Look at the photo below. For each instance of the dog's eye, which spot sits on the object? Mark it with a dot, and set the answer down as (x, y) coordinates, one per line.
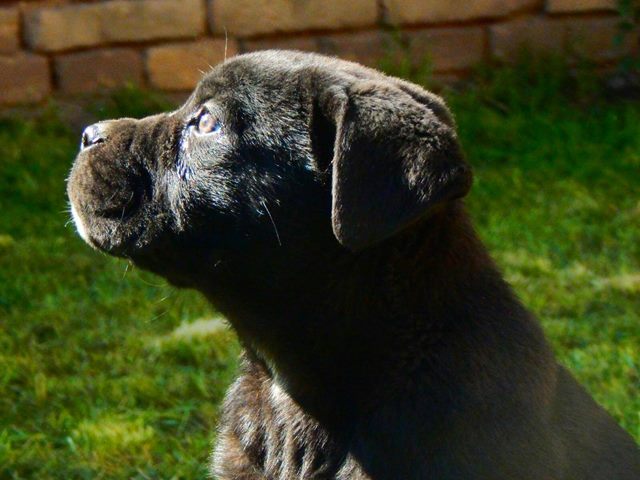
(208, 123)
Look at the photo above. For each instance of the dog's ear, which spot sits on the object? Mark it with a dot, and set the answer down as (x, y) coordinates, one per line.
(395, 157)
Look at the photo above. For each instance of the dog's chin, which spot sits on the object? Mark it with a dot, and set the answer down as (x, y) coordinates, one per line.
(150, 246)
(176, 276)
(109, 235)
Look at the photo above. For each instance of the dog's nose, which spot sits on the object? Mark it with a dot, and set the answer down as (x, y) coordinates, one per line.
(92, 135)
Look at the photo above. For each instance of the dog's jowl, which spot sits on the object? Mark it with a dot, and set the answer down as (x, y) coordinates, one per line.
(318, 204)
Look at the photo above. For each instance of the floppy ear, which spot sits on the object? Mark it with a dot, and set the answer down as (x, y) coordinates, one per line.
(395, 158)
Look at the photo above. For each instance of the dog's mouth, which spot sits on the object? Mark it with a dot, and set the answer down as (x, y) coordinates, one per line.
(113, 182)
(108, 199)
(125, 202)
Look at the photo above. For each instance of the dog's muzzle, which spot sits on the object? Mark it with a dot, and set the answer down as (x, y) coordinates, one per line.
(110, 182)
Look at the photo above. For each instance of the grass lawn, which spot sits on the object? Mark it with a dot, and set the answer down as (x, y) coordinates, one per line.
(104, 374)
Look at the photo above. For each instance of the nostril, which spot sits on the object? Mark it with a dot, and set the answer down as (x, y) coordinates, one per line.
(91, 136)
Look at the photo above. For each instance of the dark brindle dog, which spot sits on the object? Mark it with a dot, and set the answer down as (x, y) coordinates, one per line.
(317, 204)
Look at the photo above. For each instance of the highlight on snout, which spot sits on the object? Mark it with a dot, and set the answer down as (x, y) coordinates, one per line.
(109, 186)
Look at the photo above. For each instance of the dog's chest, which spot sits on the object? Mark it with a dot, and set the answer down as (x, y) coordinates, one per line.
(265, 434)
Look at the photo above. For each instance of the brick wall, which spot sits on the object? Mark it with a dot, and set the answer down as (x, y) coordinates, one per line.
(79, 46)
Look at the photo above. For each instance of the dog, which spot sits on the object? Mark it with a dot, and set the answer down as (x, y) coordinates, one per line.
(318, 204)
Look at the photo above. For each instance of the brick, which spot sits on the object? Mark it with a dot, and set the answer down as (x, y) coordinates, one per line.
(59, 28)
(24, 78)
(593, 39)
(54, 28)
(402, 12)
(180, 66)
(405, 12)
(306, 44)
(9, 40)
(254, 17)
(448, 48)
(565, 6)
(368, 48)
(95, 69)
(153, 19)
(535, 33)
(514, 6)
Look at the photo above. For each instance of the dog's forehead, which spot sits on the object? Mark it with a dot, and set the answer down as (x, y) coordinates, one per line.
(260, 70)
(273, 70)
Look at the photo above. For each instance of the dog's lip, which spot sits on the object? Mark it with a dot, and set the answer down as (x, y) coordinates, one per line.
(115, 230)
(125, 211)
(117, 245)
(81, 228)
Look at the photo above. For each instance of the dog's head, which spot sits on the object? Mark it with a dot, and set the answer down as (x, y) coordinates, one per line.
(274, 152)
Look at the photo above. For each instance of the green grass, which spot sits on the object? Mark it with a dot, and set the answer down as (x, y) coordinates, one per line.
(101, 378)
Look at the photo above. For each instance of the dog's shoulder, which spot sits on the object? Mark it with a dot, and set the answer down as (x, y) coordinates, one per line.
(263, 429)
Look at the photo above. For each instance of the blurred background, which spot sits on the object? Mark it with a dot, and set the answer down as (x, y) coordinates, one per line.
(81, 46)
(108, 372)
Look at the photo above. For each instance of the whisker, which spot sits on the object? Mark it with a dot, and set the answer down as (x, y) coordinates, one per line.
(126, 270)
(164, 298)
(226, 43)
(152, 284)
(158, 316)
(272, 221)
(124, 209)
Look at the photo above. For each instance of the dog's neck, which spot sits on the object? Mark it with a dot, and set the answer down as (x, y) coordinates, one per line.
(349, 325)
